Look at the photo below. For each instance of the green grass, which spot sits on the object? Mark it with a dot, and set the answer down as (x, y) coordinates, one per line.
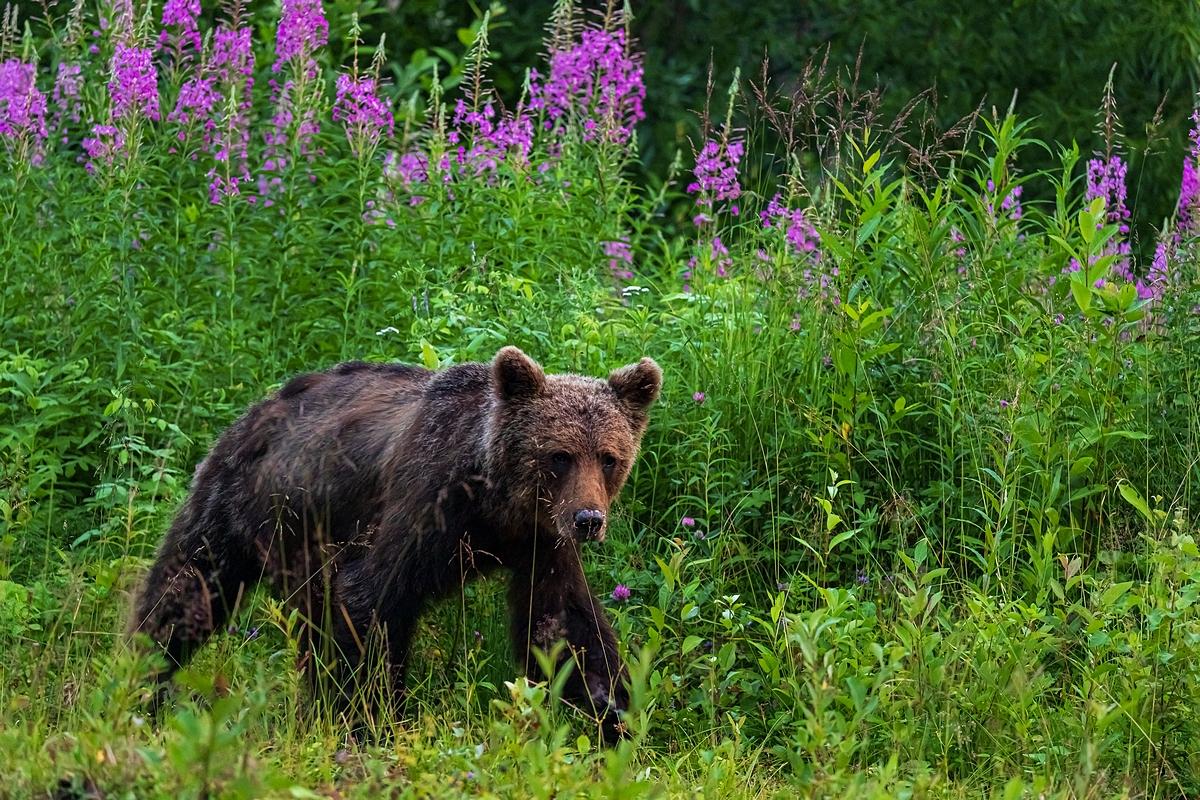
(941, 545)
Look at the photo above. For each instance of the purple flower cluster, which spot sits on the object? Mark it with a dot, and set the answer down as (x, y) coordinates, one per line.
(198, 98)
(798, 231)
(1106, 180)
(365, 116)
(1189, 186)
(134, 84)
(302, 30)
(597, 81)
(22, 107)
(1010, 204)
(804, 241)
(105, 144)
(182, 15)
(1159, 275)
(716, 177)
(68, 105)
(959, 250)
(231, 63)
(620, 258)
(406, 170)
(481, 141)
(233, 55)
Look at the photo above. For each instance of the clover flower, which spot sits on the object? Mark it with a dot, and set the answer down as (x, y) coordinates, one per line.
(621, 593)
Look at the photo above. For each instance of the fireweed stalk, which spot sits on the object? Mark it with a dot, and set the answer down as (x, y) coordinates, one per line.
(367, 121)
(717, 189)
(133, 98)
(22, 113)
(302, 32)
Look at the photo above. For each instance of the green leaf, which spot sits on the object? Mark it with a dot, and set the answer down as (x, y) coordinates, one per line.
(1114, 593)
(1135, 499)
(429, 356)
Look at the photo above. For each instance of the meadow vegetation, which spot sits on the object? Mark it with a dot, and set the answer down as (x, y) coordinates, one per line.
(912, 518)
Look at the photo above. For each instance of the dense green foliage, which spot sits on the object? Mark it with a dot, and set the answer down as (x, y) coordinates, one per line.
(913, 517)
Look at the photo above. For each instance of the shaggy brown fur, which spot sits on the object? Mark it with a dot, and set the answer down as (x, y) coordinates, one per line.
(362, 492)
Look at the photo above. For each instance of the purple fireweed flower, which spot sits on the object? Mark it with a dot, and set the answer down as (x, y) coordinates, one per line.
(407, 170)
(230, 66)
(1188, 209)
(596, 80)
(197, 98)
(65, 96)
(803, 241)
(1157, 280)
(365, 116)
(181, 15)
(620, 257)
(1106, 180)
(717, 173)
(1011, 203)
(798, 231)
(233, 54)
(621, 593)
(720, 257)
(302, 30)
(103, 146)
(134, 84)
(482, 142)
(22, 109)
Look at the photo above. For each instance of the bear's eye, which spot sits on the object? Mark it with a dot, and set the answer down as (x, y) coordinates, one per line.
(560, 462)
(608, 461)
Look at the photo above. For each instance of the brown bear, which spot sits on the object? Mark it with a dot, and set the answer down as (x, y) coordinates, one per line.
(360, 493)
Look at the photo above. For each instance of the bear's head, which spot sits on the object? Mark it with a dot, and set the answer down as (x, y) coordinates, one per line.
(566, 443)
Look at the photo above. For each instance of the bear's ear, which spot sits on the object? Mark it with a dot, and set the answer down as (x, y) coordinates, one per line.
(638, 384)
(517, 375)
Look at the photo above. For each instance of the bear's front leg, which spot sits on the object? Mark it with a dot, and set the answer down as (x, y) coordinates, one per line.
(550, 601)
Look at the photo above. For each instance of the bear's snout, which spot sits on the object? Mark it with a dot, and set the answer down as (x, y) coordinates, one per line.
(589, 524)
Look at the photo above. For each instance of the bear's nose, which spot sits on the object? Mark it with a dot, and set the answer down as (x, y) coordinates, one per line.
(588, 522)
